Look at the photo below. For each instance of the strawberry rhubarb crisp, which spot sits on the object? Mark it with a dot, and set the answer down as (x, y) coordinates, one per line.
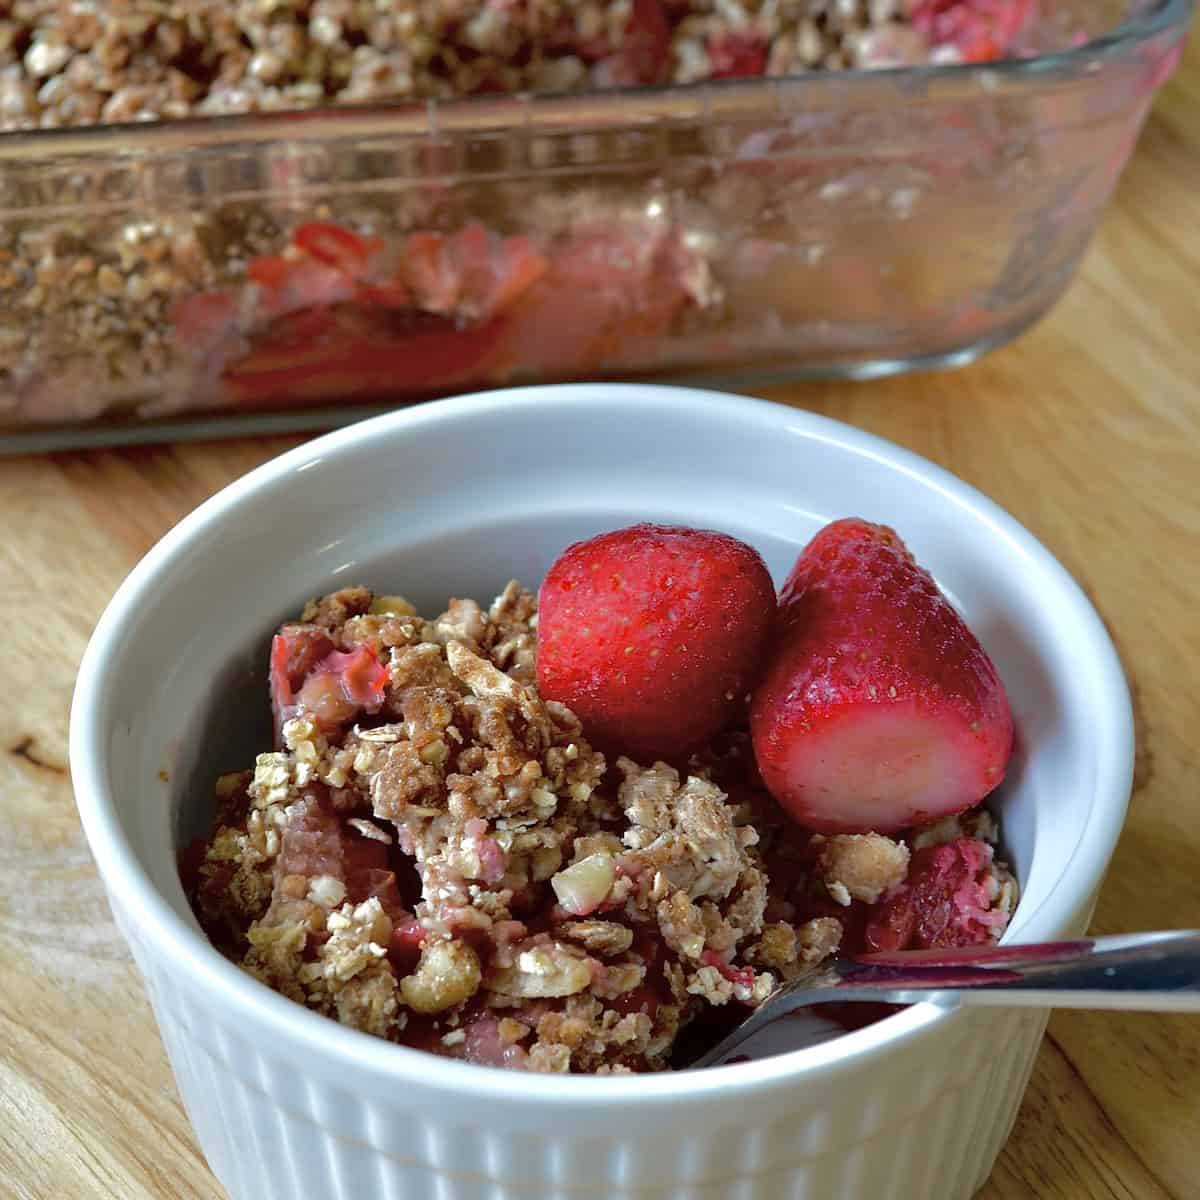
(316, 273)
(551, 834)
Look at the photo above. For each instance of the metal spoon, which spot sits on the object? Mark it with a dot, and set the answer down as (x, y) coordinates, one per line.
(1151, 972)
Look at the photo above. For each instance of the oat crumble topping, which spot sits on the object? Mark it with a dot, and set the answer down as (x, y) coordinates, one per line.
(66, 63)
(435, 855)
(861, 866)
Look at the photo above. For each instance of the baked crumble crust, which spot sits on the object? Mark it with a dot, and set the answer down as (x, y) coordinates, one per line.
(861, 866)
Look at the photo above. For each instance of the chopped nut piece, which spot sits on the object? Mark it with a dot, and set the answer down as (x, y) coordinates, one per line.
(513, 1031)
(584, 886)
(370, 830)
(446, 975)
(327, 891)
(392, 606)
(550, 1059)
(978, 824)
(712, 985)
(383, 734)
(777, 947)
(337, 608)
(600, 937)
(541, 972)
(619, 979)
(818, 939)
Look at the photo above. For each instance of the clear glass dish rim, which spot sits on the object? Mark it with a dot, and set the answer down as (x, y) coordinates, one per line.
(613, 108)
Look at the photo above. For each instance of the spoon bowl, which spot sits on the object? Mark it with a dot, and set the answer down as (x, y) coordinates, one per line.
(1147, 972)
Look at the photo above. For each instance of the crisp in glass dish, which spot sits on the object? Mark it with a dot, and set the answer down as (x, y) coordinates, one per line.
(294, 269)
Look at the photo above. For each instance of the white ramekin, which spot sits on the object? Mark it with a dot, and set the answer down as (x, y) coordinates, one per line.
(454, 498)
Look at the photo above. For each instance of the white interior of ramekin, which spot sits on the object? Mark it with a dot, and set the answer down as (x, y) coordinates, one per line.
(454, 498)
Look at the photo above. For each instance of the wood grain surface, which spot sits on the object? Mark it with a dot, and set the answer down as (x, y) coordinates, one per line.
(1087, 429)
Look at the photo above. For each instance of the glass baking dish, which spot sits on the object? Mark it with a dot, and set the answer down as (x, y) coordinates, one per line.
(295, 270)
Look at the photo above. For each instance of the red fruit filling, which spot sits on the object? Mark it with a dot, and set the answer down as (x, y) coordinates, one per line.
(945, 901)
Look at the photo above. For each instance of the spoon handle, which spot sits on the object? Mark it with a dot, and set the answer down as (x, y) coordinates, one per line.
(1153, 972)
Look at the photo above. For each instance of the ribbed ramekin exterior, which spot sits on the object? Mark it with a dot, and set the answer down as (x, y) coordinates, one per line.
(925, 1123)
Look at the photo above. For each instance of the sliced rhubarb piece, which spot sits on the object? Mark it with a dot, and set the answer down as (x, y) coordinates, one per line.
(483, 1044)
(311, 843)
(362, 676)
(471, 273)
(342, 685)
(337, 247)
(304, 283)
(295, 652)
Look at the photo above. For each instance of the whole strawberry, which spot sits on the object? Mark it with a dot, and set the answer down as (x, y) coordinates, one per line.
(652, 635)
(878, 708)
